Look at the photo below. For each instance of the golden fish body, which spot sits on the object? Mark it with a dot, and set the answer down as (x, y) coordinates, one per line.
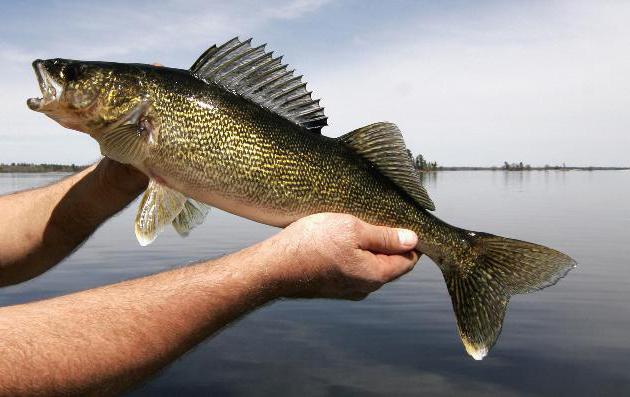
(225, 151)
(239, 132)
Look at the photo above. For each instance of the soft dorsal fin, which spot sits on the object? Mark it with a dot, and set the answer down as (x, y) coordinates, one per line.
(258, 76)
(382, 145)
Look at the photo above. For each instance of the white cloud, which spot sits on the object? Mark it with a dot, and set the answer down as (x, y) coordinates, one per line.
(133, 33)
(542, 86)
(538, 82)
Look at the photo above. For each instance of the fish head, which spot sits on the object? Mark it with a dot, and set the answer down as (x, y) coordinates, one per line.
(85, 96)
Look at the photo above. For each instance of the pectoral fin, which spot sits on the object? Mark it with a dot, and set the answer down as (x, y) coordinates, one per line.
(160, 205)
(126, 141)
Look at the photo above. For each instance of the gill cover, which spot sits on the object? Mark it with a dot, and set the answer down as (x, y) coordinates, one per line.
(127, 141)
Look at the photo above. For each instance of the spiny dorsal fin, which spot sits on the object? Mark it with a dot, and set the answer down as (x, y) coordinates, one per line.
(383, 146)
(258, 76)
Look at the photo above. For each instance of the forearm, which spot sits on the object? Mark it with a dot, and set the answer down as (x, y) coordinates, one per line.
(40, 227)
(105, 340)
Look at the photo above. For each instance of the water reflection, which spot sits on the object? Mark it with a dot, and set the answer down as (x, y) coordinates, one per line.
(567, 340)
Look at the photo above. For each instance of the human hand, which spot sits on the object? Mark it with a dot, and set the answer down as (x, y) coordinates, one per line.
(339, 256)
(116, 177)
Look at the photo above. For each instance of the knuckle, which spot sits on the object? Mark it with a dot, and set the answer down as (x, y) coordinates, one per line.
(350, 222)
(383, 277)
(350, 227)
(378, 276)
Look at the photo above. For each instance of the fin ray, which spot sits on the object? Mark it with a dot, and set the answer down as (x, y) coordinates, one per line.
(159, 207)
(480, 291)
(125, 141)
(383, 146)
(255, 75)
(192, 215)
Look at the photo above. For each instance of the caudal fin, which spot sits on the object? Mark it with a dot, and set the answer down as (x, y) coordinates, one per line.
(480, 291)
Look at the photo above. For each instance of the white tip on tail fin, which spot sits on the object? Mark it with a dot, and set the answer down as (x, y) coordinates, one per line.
(476, 352)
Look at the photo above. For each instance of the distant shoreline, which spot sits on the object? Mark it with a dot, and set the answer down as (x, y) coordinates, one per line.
(550, 168)
(27, 168)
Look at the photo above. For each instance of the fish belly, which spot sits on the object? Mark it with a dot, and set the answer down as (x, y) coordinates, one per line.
(240, 207)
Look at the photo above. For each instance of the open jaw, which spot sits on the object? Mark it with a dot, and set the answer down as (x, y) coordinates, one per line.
(51, 89)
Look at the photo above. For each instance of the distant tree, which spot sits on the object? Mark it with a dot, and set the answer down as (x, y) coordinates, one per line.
(506, 165)
(420, 163)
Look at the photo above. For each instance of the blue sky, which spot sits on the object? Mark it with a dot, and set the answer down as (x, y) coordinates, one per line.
(469, 83)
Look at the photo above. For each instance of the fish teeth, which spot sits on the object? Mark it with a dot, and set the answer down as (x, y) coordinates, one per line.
(50, 88)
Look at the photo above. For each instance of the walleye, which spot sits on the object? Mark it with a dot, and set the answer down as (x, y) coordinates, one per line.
(239, 131)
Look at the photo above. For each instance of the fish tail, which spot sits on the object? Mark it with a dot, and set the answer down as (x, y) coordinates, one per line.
(482, 271)
(485, 278)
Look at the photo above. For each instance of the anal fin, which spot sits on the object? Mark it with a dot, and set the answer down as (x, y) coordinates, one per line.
(192, 214)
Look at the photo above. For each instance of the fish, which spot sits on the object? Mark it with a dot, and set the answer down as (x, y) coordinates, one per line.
(240, 131)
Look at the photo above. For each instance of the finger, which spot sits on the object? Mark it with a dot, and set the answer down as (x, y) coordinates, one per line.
(394, 266)
(356, 296)
(386, 240)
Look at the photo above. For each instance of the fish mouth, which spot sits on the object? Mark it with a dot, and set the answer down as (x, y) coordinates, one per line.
(50, 88)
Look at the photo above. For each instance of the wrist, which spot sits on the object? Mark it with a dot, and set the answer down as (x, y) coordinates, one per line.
(118, 180)
(273, 264)
(284, 265)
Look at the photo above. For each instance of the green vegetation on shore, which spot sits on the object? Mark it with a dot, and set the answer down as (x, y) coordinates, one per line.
(545, 168)
(29, 167)
(422, 164)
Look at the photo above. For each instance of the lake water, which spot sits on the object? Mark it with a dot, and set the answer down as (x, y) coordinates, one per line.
(571, 339)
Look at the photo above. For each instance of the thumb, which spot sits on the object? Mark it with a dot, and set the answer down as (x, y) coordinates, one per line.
(386, 240)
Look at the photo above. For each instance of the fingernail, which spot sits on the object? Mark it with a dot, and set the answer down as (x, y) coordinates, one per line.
(407, 238)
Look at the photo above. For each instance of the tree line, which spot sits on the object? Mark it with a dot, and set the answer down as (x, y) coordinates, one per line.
(421, 164)
(30, 167)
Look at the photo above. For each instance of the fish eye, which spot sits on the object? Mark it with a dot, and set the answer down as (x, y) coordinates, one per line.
(72, 71)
